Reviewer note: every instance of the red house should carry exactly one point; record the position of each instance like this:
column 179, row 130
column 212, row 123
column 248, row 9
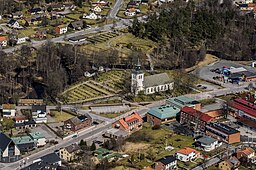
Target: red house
column 130, row 124
column 194, row 119
column 78, row 123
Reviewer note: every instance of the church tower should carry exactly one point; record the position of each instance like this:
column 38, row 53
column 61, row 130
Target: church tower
column 137, row 79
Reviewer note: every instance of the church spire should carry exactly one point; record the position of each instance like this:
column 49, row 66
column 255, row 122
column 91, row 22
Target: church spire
column 138, row 66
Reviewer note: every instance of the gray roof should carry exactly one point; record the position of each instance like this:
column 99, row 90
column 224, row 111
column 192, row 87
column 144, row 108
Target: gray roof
column 157, row 79
column 206, row 140
column 77, row 24
column 117, row 132
column 39, row 107
column 4, row 141
column 72, row 148
column 50, row 158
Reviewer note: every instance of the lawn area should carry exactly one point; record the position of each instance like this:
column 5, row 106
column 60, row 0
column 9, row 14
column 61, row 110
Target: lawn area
column 61, row 116
column 228, row 97
column 151, row 143
column 207, row 101
column 111, row 115
column 148, row 98
column 74, row 16
column 27, row 31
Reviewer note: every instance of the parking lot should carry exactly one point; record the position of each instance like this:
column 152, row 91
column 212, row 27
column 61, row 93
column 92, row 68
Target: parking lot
column 48, row 134
column 207, row 72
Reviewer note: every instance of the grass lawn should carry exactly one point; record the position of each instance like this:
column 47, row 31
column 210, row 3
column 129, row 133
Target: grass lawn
column 61, row 117
column 74, row 16
column 147, row 98
column 228, row 97
column 27, row 31
column 152, row 144
column 111, row 115
column 213, row 168
column 207, row 101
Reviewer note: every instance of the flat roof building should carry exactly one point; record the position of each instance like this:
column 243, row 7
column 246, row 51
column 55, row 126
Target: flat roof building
column 182, row 101
column 162, row 114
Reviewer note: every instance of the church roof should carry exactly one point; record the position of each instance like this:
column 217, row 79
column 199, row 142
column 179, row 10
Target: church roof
column 157, row 79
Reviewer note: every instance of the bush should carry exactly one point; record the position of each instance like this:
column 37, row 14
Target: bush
column 156, row 127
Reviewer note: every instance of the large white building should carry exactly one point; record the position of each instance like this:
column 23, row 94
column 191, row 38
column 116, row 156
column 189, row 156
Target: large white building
column 149, row 84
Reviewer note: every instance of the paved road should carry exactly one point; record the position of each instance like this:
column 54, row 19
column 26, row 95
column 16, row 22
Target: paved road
column 115, row 9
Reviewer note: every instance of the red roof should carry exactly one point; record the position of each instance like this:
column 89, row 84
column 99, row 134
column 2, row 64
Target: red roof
column 193, row 112
column 131, row 118
column 187, row 151
column 244, row 105
column 20, row 118
column 3, row 39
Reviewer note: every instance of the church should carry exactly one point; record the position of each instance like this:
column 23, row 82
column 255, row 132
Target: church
column 149, row 84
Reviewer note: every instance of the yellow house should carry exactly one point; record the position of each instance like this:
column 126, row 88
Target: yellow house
column 232, row 163
column 69, row 153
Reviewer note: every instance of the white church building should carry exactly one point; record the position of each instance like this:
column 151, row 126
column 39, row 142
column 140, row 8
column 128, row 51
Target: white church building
column 149, row 84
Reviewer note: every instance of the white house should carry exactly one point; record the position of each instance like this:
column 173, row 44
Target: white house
column 187, row 154
column 243, row 1
column 9, row 110
column 149, row 84
column 14, row 24
column 21, row 40
column 93, row 16
column 39, row 113
column 97, row 9
column 208, row 143
column 89, row 73
column 130, row 12
column 61, row 29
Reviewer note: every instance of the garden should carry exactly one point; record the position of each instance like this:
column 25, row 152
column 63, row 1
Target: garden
column 148, row 145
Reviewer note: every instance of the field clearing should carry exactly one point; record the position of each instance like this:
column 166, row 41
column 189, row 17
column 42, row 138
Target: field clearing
column 61, row 116
column 207, row 60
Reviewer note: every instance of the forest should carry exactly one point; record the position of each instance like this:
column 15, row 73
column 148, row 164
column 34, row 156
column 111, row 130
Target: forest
column 185, row 31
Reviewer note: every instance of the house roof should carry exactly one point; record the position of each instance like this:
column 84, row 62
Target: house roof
column 51, row 158
column 244, row 105
column 72, row 148
column 36, row 135
column 11, row 22
column 8, row 106
column 117, row 132
column 182, row 101
column 186, row 151
column 61, row 26
column 222, row 128
column 206, row 140
column 5, row 141
column 167, row 160
column 20, row 118
column 195, row 113
column 42, row 108
column 247, row 151
column 2, row 38
column 77, row 24
column 164, row 112
column 214, row 113
column 22, row 140
column 233, row 161
column 79, row 119
column 134, row 116
column 157, row 79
